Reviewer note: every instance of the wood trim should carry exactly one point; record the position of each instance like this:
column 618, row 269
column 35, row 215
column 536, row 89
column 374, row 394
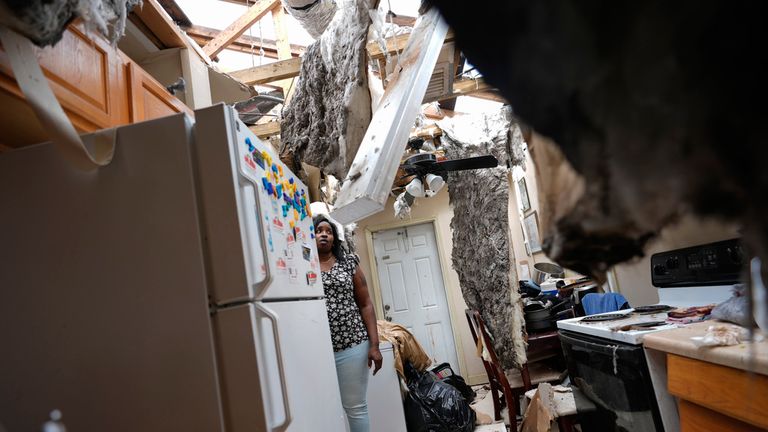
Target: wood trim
column 696, row 418
column 202, row 35
column 134, row 90
column 237, row 28
column 269, row 72
column 733, row 392
column 264, row 130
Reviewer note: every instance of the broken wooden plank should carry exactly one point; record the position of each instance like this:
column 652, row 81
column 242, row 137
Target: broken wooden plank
column 237, row 28
column 269, row 72
column 369, row 181
column 264, row 130
column 430, row 131
column 246, row 44
column 394, row 45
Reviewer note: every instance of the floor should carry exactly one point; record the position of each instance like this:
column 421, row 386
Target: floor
column 483, row 406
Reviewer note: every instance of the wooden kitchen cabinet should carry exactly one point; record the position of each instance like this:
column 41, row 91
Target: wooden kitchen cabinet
column 97, row 85
column 713, row 397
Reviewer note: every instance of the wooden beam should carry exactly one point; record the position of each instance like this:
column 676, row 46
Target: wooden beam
column 394, row 45
column 202, row 35
column 402, row 20
column 159, row 23
column 492, row 95
column 473, row 87
column 269, row 72
column 283, row 47
column 237, row 28
column 177, row 14
column 264, row 130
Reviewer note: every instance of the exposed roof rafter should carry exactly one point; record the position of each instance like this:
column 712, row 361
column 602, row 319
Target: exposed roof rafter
column 269, row 72
column 202, row 35
column 237, row 28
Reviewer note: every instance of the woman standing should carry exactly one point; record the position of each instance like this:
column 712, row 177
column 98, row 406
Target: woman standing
column 353, row 323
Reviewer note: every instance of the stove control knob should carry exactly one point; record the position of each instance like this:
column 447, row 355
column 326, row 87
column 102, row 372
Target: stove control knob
column 736, row 255
column 672, row 263
column 659, row 270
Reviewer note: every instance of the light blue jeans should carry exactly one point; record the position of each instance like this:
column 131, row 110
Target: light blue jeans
column 352, row 370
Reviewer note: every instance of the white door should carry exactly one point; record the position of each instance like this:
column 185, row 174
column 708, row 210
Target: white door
column 412, row 288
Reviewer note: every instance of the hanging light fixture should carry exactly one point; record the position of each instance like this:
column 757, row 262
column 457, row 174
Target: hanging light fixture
column 415, row 188
column 434, row 184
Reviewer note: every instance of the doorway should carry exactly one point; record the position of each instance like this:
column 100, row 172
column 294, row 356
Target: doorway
column 412, row 288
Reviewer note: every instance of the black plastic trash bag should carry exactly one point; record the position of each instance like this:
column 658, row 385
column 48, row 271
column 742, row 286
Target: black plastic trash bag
column 445, row 373
column 435, row 406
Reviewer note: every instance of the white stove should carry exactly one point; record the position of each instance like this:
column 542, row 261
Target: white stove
column 606, row 359
column 622, row 329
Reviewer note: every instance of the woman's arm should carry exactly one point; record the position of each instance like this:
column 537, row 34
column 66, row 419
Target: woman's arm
column 365, row 305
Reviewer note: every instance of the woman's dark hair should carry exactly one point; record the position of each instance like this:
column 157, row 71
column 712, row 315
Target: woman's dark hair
column 336, row 248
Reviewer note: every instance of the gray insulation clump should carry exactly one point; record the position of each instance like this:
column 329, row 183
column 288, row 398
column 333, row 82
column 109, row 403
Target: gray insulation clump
column 329, row 113
column 44, row 21
column 481, row 244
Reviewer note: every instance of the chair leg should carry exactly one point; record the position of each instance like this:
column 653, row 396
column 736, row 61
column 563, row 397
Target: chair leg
column 495, row 396
column 565, row 424
column 509, row 398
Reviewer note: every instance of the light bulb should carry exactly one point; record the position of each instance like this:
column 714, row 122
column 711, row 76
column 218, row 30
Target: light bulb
column 435, row 183
column 415, row 188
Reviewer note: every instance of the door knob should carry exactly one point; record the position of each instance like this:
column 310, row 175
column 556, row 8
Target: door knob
column 386, row 307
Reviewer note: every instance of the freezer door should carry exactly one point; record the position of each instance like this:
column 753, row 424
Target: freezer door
column 104, row 311
column 277, row 367
column 258, row 225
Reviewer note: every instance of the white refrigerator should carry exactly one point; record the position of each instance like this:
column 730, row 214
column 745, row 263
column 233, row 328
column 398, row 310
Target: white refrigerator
column 176, row 289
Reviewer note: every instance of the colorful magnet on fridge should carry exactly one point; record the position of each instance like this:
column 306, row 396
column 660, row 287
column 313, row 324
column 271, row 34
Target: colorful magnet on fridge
column 311, row 278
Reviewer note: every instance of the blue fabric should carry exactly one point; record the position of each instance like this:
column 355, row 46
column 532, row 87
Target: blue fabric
column 601, row 303
column 352, row 370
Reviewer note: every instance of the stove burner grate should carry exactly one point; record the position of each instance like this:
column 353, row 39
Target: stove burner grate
column 652, row 309
column 603, row 317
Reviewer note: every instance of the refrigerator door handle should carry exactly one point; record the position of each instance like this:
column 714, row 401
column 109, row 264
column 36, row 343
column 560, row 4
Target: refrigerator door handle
column 252, row 199
column 280, row 367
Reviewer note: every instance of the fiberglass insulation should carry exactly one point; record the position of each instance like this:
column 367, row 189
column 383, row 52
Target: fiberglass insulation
column 482, row 254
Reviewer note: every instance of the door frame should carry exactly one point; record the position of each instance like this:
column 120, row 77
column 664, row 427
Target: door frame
column 442, row 260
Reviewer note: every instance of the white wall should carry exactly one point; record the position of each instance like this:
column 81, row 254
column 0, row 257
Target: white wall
column 438, row 209
column 634, row 278
column 516, row 216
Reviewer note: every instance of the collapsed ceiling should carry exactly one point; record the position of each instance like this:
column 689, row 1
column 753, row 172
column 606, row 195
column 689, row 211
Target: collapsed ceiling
column 659, row 106
column 325, row 121
column 44, row 21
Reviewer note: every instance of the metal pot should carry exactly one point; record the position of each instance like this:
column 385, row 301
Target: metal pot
column 536, row 310
column 543, row 271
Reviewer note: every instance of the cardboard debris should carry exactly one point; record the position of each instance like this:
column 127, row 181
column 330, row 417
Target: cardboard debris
column 541, row 411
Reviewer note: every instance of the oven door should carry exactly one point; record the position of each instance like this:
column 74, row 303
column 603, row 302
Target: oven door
column 614, row 377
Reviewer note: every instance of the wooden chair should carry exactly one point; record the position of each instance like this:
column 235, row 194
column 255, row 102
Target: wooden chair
column 508, row 388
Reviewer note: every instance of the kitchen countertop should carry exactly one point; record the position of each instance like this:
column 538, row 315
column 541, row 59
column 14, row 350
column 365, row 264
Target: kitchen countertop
column 744, row 356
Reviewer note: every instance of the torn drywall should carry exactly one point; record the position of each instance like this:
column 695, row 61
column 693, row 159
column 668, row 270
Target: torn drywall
column 328, row 115
column 481, row 238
